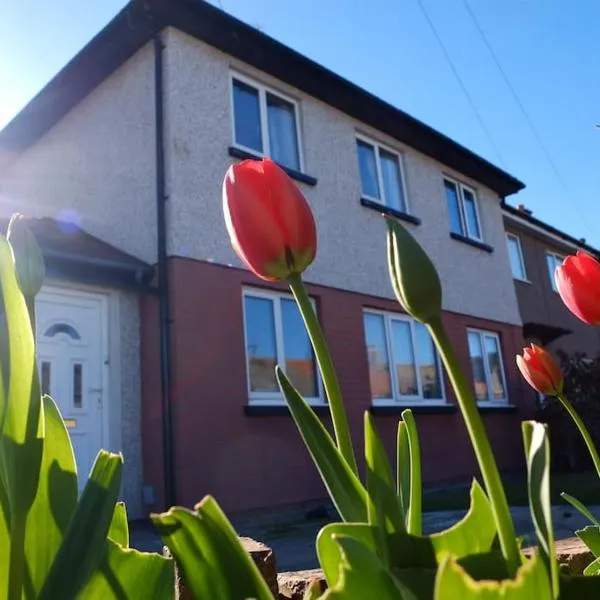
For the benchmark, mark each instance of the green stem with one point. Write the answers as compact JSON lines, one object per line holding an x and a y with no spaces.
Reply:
{"x":587,"y":438}
{"x":16,"y":571}
{"x":330,"y":380}
{"x":481,"y":446}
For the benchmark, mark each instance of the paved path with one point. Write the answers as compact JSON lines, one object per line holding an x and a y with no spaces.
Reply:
{"x":294,"y":543}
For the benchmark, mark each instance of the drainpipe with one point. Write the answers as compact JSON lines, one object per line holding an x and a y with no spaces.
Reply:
{"x":163,"y":279}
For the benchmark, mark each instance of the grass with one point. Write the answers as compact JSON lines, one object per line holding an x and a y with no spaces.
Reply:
{"x":583,"y":486}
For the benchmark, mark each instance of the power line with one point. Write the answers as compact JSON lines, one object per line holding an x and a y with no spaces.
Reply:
{"x":460,"y":82}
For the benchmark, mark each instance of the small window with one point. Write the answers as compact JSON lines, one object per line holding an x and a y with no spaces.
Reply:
{"x":265,"y":122}
{"x":462,"y":210}
{"x":515,"y":254}
{"x":403,"y":363}
{"x":486,"y":364}
{"x":553,"y":260}
{"x":46,"y":378}
{"x":63,"y":328}
{"x":275,"y":334}
{"x":77,"y":385}
{"x":381,"y":175}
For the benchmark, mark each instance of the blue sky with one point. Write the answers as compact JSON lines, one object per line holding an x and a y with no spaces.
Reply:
{"x":548,"y":49}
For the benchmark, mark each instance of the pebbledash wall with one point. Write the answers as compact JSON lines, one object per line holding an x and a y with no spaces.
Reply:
{"x":249,"y":461}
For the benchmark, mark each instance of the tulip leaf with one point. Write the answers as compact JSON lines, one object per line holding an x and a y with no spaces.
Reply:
{"x":4,"y":538}
{"x":84,"y":543}
{"x":126,"y":573}
{"x":593,"y":569}
{"x":56,"y":498}
{"x":313,"y":591}
{"x":580,"y":507}
{"x":414,"y":516}
{"x":213,"y":562}
{"x":363,"y":575}
{"x":344,"y":487}
{"x":537,"y":451}
{"x":403,"y":469}
{"x":118,"y":531}
{"x":531,"y":581}
{"x":383,"y":507}
{"x":590,"y":536}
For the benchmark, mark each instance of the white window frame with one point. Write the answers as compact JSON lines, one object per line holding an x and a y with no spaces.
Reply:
{"x":483,"y":333}
{"x":558,"y":258}
{"x":274,"y":398}
{"x":521,"y":258}
{"x":398,"y":399}
{"x":262,"y":90}
{"x":377,"y":146}
{"x":460,"y":187}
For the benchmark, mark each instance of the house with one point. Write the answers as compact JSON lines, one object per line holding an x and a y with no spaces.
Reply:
{"x":535,"y":250}
{"x":126,"y":149}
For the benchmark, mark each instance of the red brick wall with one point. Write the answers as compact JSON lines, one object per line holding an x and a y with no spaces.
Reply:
{"x":258,"y":461}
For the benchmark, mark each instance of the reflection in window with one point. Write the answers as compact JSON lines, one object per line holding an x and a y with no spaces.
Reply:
{"x":62,"y":328}
{"x":379,"y":366}
{"x":261,"y":351}
{"x":486,"y":364}
{"x":77,"y":385}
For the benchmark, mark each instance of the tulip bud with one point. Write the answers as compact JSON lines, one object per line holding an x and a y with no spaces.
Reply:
{"x":578,"y":283}
{"x":29,"y":262}
{"x":269,"y":221}
{"x":540,"y":371}
{"x":413,"y":275}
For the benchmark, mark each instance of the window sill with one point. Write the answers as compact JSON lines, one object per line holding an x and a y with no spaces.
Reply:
{"x":498,"y":408}
{"x":474,"y":243}
{"x":417,"y":409}
{"x":237,"y":152}
{"x":528,"y":281}
{"x":382,"y":208}
{"x":279,"y":410}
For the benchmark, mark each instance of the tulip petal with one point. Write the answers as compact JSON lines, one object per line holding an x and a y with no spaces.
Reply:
{"x":580,"y":294}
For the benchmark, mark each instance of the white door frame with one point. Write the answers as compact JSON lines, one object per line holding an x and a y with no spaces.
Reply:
{"x":55,"y":290}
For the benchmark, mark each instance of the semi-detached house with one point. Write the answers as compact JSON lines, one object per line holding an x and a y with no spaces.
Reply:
{"x":154,"y":338}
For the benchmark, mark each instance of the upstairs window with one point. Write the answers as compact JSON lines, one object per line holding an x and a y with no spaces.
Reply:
{"x":515,"y":254}
{"x":265,"y":122}
{"x":381,"y":176}
{"x":553,"y":260}
{"x":462,"y":210}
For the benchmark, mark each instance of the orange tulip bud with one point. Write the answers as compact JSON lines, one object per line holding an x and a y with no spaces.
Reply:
{"x":578,"y":283}
{"x":540,"y":371}
{"x":269,"y":221}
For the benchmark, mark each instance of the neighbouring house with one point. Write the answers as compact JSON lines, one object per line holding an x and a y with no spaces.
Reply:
{"x":535,"y":250}
{"x":155,"y":339}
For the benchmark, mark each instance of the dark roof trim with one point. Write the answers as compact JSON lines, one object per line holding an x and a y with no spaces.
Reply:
{"x":530,"y":219}
{"x":131,"y":29}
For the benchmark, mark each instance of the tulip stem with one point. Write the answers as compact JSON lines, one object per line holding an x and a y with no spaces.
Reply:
{"x":481,"y":446}
{"x":330,"y":380}
{"x":587,"y":438}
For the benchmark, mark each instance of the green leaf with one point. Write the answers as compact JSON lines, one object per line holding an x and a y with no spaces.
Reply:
{"x":537,"y":451}
{"x":56,"y":498}
{"x":473,"y":534}
{"x":213,"y":562}
{"x":383,"y":507}
{"x":85,"y":540}
{"x":313,"y":591}
{"x":414,"y":517}
{"x":119,"y":528}
{"x":363,"y":575}
{"x":590,"y":536}
{"x":4,"y":538}
{"x":531,"y":582}
{"x":126,"y":573}
{"x":344,"y":487}
{"x":593,"y":569}
{"x":403,"y":469}
{"x":580,"y":507}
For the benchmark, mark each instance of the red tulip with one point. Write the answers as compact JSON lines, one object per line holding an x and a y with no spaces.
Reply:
{"x":540,"y":371}
{"x":578,"y":283}
{"x":269,"y":221}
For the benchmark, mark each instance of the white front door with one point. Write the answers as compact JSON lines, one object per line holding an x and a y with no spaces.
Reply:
{"x":70,"y":333}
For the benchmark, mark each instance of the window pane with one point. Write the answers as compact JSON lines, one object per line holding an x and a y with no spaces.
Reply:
{"x":368,"y":169}
{"x":514,"y":253}
{"x":552,"y":261}
{"x":283,"y":138}
{"x":406,"y":375}
{"x":260,"y":344}
{"x":299,"y":358}
{"x":77,"y":385}
{"x":427,"y":361}
{"x":471,"y":214}
{"x":46,"y":378}
{"x":477,"y":366}
{"x":246,"y":116}
{"x":453,"y":208}
{"x":494,"y":364}
{"x":379,"y":365}
{"x":392,"y":180}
